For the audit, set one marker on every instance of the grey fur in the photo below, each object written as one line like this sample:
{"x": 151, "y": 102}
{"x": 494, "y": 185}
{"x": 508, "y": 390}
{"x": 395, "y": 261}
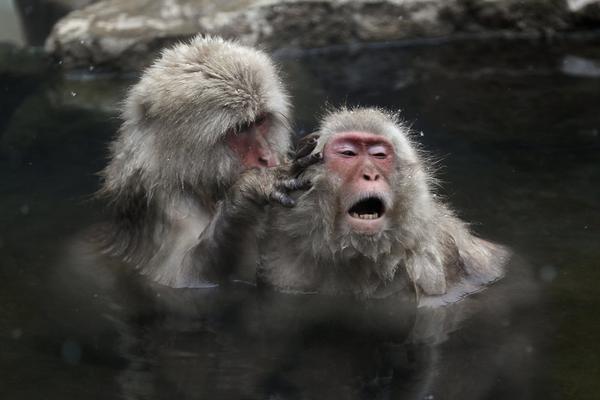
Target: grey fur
{"x": 169, "y": 169}
{"x": 306, "y": 250}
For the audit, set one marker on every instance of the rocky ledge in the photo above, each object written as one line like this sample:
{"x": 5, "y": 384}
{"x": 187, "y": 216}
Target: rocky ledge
{"x": 126, "y": 34}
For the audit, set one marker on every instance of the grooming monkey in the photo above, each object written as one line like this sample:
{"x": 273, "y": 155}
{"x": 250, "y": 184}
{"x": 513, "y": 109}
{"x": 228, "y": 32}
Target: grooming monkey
{"x": 371, "y": 218}
{"x": 195, "y": 162}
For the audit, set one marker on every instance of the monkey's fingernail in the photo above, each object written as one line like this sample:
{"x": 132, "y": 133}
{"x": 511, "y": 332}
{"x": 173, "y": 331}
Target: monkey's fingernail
{"x": 287, "y": 202}
{"x": 315, "y": 158}
{"x": 294, "y": 184}
{"x": 309, "y": 160}
{"x": 304, "y": 150}
{"x": 283, "y": 199}
{"x": 305, "y": 184}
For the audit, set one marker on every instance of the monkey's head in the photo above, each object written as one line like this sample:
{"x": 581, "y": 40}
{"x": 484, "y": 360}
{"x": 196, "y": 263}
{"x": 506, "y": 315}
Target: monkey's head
{"x": 202, "y": 113}
{"x": 371, "y": 191}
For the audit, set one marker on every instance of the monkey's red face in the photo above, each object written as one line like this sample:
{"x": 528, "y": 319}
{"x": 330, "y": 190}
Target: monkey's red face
{"x": 251, "y": 145}
{"x": 364, "y": 163}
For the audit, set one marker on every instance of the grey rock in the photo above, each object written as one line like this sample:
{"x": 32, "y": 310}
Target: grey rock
{"x": 127, "y": 34}
{"x": 35, "y": 18}
{"x": 299, "y": 24}
{"x": 585, "y": 11}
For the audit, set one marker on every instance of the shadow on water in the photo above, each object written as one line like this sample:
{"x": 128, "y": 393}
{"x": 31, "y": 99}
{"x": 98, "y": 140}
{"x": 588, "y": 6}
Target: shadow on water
{"x": 517, "y": 131}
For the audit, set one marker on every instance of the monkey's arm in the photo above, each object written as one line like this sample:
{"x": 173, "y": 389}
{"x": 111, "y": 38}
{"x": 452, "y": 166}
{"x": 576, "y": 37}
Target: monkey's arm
{"x": 223, "y": 241}
{"x": 465, "y": 264}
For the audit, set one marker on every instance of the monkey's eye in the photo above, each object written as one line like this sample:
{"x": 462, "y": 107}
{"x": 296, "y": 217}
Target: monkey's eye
{"x": 243, "y": 127}
{"x": 347, "y": 153}
{"x": 260, "y": 119}
{"x": 378, "y": 152}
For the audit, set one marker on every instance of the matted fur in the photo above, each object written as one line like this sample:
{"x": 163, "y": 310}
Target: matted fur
{"x": 168, "y": 164}
{"x": 308, "y": 249}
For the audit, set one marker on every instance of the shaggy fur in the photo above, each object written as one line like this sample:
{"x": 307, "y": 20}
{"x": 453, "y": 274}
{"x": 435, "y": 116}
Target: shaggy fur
{"x": 306, "y": 248}
{"x": 169, "y": 166}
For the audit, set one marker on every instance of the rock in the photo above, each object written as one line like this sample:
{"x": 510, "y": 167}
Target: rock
{"x": 48, "y": 127}
{"x": 300, "y": 24}
{"x": 582, "y": 5}
{"x": 127, "y": 34}
{"x": 22, "y": 71}
{"x": 38, "y": 16}
{"x": 530, "y": 16}
{"x": 585, "y": 11}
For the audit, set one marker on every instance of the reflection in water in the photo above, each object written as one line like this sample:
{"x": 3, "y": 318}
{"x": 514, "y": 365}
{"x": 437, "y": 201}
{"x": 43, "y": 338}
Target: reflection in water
{"x": 36, "y": 19}
{"x": 10, "y": 30}
{"x": 519, "y": 140}
{"x": 241, "y": 342}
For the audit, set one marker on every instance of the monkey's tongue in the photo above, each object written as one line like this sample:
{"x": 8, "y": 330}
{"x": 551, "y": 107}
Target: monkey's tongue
{"x": 370, "y": 208}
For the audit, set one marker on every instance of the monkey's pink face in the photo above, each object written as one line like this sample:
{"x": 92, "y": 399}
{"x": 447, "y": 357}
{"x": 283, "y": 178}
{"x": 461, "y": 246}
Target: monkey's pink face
{"x": 364, "y": 163}
{"x": 251, "y": 145}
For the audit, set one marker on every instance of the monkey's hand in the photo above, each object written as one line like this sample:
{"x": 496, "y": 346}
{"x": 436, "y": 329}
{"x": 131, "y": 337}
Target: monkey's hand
{"x": 259, "y": 187}
{"x": 243, "y": 206}
{"x": 303, "y": 156}
{"x": 274, "y": 185}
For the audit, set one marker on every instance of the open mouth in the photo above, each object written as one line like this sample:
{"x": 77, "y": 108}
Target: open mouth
{"x": 369, "y": 208}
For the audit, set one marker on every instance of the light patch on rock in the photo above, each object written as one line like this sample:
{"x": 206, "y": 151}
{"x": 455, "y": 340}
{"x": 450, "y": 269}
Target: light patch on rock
{"x": 74, "y": 27}
{"x": 578, "y": 5}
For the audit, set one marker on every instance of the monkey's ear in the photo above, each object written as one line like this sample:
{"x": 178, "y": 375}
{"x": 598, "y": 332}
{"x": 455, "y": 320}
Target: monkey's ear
{"x": 143, "y": 110}
{"x": 137, "y": 108}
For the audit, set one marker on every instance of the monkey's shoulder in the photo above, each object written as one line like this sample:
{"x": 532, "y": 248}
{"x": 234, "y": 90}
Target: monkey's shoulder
{"x": 474, "y": 265}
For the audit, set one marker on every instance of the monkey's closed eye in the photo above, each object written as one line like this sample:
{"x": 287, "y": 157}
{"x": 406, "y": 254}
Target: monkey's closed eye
{"x": 260, "y": 119}
{"x": 243, "y": 127}
{"x": 348, "y": 153}
{"x": 379, "y": 155}
{"x": 247, "y": 126}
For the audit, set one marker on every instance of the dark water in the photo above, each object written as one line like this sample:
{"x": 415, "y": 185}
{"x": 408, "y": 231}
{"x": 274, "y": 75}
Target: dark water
{"x": 516, "y": 128}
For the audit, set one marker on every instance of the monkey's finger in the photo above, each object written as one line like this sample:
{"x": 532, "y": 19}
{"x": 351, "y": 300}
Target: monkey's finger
{"x": 314, "y": 136}
{"x": 294, "y": 184}
{"x": 282, "y": 199}
{"x": 306, "y": 146}
{"x": 302, "y": 163}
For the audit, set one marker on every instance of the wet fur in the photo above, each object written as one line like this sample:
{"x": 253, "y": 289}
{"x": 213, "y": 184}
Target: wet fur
{"x": 307, "y": 250}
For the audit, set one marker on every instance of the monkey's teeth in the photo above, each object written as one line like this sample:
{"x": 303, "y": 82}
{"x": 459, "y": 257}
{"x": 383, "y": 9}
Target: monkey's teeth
{"x": 365, "y": 216}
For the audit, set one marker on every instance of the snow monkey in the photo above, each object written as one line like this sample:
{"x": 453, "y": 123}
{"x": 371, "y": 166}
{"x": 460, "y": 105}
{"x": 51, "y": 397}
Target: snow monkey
{"x": 195, "y": 162}
{"x": 371, "y": 218}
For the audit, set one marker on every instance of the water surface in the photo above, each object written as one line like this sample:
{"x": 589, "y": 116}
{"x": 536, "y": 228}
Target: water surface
{"x": 515, "y": 129}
